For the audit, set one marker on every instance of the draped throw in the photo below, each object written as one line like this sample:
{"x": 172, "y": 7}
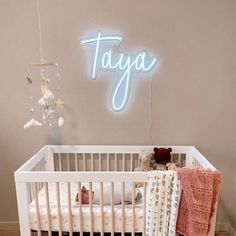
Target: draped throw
{"x": 163, "y": 196}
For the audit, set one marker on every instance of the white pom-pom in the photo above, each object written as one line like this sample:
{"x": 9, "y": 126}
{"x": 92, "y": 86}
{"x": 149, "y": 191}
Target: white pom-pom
{"x": 60, "y": 121}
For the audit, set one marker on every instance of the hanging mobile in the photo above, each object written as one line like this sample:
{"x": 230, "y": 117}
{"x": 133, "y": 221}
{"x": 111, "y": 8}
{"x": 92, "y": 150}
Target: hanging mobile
{"x": 47, "y": 101}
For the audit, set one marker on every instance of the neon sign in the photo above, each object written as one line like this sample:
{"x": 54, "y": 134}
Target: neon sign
{"x": 125, "y": 65}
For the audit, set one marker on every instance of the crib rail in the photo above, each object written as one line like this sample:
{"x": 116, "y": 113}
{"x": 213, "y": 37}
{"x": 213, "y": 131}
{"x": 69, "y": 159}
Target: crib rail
{"x": 38, "y": 176}
{"x": 79, "y": 165}
{"x": 103, "y": 158}
{"x": 95, "y": 162}
{"x": 107, "y": 162}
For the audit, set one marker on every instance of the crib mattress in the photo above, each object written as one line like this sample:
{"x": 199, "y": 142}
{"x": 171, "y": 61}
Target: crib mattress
{"x": 85, "y": 211}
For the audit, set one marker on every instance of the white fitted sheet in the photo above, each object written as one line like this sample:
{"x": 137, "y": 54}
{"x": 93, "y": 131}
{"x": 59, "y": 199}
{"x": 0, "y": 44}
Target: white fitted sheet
{"x": 85, "y": 210}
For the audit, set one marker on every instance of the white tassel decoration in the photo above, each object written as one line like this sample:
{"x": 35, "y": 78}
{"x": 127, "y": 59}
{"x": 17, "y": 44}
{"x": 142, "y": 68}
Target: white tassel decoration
{"x": 60, "y": 121}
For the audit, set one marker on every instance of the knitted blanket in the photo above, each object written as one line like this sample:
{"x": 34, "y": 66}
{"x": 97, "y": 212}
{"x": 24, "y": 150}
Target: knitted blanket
{"x": 163, "y": 195}
{"x": 199, "y": 196}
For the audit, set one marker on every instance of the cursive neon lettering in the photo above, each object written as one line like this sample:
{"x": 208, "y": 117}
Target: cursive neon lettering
{"x": 126, "y": 65}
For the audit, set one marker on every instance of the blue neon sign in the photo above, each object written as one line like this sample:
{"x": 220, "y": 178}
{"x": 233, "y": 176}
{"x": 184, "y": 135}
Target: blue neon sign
{"x": 126, "y": 65}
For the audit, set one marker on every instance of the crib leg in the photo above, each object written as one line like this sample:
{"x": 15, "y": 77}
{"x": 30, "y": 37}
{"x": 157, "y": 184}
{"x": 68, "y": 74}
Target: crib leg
{"x": 23, "y": 212}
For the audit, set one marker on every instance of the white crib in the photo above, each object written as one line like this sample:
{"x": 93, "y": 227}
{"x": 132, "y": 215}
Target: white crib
{"x": 56, "y": 173}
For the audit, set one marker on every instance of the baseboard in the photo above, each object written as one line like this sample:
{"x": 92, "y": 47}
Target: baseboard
{"x": 223, "y": 227}
{"x": 227, "y": 227}
{"x": 9, "y": 225}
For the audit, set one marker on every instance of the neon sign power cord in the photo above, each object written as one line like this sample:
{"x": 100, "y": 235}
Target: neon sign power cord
{"x": 150, "y": 110}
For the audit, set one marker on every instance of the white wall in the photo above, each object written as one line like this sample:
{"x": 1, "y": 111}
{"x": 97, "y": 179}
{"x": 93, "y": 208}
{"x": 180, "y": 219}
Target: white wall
{"x": 194, "y": 98}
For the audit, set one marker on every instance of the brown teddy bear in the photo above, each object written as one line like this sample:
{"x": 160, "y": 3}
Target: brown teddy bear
{"x": 162, "y": 155}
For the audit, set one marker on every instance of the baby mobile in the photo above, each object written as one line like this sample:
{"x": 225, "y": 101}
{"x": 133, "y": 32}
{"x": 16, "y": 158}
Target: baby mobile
{"x": 51, "y": 107}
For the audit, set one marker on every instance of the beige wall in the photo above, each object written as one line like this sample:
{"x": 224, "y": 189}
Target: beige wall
{"x": 194, "y": 89}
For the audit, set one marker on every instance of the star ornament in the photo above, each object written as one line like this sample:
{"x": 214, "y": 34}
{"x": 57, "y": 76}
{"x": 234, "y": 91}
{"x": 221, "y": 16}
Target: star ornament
{"x": 59, "y": 103}
{"x": 29, "y": 80}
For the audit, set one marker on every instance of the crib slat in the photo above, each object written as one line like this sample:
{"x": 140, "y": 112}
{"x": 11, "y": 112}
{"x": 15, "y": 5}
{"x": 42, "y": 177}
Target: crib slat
{"x": 40, "y": 186}
{"x": 69, "y": 209}
{"x": 92, "y": 162}
{"x": 101, "y": 209}
{"x": 31, "y": 191}
{"x": 76, "y": 162}
{"x": 131, "y": 162}
{"x": 58, "y": 208}
{"x": 179, "y": 159}
{"x": 116, "y": 162}
{"x": 108, "y": 162}
{"x": 84, "y": 162}
{"x": 123, "y": 208}
{"x": 60, "y": 161}
{"x": 67, "y": 162}
{"x": 80, "y": 209}
{"x": 100, "y": 162}
{"x": 48, "y": 210}
{"x": 91, "y": 207}
{"x": 144, "y": 208}
{"x": 37, "y": 209}
{"x": 133, "y": 209}
{"x": 123, "y": 162}
{"x": 112, "y": 210}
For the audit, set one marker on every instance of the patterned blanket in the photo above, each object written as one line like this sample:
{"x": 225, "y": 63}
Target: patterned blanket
{"x": 163, "y": 197}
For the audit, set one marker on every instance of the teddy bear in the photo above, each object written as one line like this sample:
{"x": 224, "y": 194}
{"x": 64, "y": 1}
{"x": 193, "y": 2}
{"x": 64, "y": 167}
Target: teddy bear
{"x": 144, "y": 162}
{"x": 162, "y": 156}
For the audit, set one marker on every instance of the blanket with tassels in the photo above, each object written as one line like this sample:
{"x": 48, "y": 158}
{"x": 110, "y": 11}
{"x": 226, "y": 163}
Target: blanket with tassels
{"x": 163, "y": 195}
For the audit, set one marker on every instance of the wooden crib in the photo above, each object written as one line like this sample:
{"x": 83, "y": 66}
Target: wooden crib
{"x": 56, "y": 173}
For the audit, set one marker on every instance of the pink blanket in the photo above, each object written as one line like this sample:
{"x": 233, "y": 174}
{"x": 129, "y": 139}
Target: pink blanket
{"x": 199, "y": 196}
